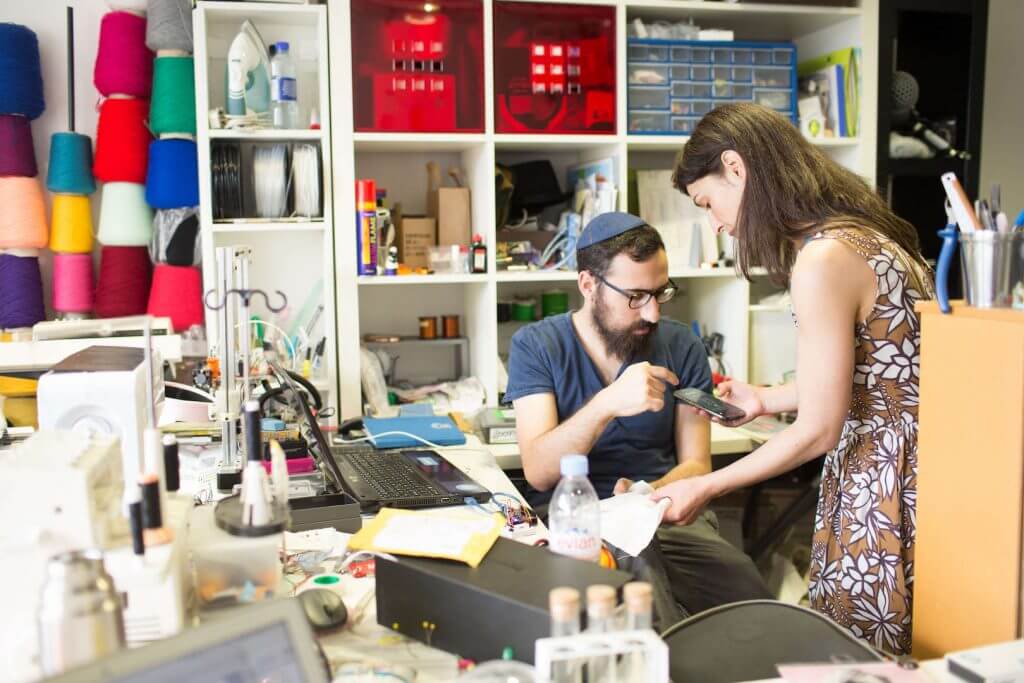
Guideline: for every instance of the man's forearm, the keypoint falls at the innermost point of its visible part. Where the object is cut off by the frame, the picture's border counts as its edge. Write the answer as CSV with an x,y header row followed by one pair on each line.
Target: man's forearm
x,y
541,460
683,470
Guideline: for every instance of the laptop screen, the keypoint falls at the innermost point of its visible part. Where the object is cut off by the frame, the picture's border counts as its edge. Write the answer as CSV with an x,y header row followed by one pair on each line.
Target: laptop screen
x,y
311,432
263,655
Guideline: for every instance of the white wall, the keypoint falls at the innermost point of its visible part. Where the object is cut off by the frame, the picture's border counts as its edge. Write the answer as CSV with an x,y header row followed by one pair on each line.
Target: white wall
x,y
1002,138
47,19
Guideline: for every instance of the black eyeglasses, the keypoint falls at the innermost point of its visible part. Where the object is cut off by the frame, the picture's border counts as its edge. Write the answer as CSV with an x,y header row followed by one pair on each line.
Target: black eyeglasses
x,y
638,298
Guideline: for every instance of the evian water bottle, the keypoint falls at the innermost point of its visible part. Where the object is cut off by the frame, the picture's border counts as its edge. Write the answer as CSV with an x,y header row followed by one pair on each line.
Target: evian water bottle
x,y
574,517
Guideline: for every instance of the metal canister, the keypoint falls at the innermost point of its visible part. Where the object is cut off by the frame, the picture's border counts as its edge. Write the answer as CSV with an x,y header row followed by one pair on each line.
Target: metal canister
x,y
428,327
451,326
80,617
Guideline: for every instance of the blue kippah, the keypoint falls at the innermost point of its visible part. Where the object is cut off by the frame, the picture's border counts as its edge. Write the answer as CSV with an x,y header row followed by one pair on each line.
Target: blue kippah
x,y
607,226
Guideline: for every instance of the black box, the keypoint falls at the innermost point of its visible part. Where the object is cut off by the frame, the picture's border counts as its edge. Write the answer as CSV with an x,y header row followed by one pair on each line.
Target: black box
x,y
318,512
477,613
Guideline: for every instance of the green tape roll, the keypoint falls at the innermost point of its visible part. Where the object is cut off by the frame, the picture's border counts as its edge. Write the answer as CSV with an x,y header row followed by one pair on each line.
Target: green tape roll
x,y
554,302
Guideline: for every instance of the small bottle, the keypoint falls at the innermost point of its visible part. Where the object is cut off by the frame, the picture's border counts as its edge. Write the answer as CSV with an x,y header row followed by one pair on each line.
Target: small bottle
x,y
478,255
283,91
564,604
601,601
574,514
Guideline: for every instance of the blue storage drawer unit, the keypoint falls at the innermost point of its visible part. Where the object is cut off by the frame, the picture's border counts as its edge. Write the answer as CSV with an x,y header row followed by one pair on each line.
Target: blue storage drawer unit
x,y
672,83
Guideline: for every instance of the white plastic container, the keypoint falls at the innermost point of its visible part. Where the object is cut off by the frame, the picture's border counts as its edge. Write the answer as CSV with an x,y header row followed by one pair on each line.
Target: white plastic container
x,y
231,567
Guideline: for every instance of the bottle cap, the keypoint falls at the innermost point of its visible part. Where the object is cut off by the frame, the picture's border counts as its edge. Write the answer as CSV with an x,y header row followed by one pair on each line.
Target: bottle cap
x,y
638,596
281,45
574,466
478,237
564,603
600,600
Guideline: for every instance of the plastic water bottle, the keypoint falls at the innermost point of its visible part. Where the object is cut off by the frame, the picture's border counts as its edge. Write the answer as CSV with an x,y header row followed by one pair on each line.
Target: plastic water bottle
x,y
283,91
573,515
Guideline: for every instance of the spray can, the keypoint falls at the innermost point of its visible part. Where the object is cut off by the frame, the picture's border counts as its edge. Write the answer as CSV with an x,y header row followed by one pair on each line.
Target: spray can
x,y
366,226
80,616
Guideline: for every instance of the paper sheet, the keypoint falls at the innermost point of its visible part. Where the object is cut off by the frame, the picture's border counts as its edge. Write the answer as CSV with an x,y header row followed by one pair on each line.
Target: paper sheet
x,y
465,536
630,520
683,226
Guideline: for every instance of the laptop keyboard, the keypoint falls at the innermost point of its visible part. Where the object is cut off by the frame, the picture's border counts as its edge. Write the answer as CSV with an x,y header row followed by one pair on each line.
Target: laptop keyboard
x,y
388,474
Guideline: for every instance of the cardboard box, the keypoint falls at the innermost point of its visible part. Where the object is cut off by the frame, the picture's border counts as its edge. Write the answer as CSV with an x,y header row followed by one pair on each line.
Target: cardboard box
x,y
454,216
416,234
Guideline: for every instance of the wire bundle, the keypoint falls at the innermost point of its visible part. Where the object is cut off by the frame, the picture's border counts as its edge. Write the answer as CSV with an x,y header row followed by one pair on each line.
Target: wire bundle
x,y
20,72
124,65
173,108
306,180
270,177
17,155
226,174
21,289
22,209
177,294
122,141
71,231
70,177
169,25
126,220
175,237
172,183
72,283
123,284
173,178
71,164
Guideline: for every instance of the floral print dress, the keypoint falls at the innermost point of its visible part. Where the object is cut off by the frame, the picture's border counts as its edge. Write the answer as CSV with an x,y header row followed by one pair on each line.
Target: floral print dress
x,y
862,553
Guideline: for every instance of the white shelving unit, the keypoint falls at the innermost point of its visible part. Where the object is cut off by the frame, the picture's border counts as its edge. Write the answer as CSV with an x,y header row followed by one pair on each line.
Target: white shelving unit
x,y
294,255
716,298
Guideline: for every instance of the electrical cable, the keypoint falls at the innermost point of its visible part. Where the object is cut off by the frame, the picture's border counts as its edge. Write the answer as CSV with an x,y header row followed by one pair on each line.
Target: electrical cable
x,y
270,180
227,180
306,180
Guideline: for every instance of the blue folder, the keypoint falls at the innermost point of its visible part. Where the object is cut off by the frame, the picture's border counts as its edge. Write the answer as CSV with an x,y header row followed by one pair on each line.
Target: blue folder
x,y
438,429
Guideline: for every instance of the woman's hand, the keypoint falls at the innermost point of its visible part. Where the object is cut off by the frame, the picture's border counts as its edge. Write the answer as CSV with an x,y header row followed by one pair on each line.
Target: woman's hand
x,y
742,395
688,497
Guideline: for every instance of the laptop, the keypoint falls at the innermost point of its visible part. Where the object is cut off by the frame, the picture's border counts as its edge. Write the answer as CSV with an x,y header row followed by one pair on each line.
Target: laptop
x,y
376,478
267,641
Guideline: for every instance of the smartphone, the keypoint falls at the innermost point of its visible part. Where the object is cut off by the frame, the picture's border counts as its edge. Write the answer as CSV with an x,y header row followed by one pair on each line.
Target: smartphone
x,y
709,404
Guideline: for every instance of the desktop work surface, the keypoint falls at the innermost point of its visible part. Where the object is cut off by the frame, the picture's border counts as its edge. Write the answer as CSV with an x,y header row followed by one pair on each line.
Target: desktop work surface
x,y
724,441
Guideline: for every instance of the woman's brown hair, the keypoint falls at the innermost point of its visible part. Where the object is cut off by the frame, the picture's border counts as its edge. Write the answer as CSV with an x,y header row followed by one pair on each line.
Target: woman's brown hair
x,y
792,190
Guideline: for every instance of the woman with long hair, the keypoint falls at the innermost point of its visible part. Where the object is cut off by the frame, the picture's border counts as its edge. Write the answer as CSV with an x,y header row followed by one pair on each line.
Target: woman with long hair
x,y
854,271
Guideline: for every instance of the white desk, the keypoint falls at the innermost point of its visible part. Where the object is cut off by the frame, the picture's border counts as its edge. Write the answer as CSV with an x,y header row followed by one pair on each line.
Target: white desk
x,y
368,640
724,441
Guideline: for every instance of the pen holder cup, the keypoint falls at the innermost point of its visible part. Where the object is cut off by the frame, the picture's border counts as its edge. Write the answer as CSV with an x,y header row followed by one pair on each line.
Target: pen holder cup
x,y
993,268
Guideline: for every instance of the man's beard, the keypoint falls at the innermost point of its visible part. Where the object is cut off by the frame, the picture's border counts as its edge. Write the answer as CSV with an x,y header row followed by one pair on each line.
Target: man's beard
x,y
621,344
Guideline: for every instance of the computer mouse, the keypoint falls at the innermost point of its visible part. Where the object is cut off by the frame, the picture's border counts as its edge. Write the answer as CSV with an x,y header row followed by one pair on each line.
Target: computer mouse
x,y
324,609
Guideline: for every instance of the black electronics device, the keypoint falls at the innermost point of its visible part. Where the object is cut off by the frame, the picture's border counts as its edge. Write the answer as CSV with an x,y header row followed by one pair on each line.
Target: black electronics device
x,y
726,412
376,478
477,613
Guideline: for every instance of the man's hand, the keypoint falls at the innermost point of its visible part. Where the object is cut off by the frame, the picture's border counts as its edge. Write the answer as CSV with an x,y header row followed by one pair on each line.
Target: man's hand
x,y
641,388
622,486
688,496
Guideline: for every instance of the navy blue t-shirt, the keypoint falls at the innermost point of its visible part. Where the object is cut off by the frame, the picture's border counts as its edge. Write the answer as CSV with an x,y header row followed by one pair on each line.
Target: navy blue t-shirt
x,y
547,357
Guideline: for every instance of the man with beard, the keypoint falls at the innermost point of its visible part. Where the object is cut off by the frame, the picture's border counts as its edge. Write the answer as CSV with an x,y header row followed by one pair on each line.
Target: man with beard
x,y
599,381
